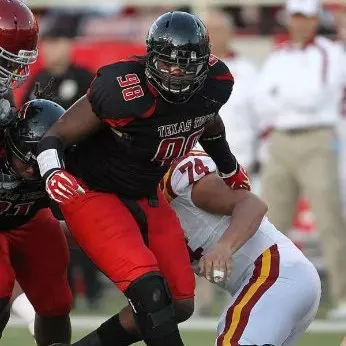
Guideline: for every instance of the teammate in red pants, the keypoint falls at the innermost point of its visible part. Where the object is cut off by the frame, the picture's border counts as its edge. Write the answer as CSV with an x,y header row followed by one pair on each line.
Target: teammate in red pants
x,y
139,115
33,248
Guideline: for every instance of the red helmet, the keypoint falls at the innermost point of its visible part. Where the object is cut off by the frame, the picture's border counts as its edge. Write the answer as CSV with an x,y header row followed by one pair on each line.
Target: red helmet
x,y
18,43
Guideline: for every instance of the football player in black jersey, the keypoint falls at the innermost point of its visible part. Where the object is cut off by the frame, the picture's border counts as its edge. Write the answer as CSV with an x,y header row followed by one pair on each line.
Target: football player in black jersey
x,y
138,116
32,244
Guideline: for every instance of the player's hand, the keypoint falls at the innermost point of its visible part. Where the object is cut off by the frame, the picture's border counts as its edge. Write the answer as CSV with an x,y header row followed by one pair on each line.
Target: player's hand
x,y
238,180
7,115
63,187
216,265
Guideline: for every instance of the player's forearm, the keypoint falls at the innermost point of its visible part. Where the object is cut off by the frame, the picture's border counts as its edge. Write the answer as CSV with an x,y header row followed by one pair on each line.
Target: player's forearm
x,y
215,145
246,216
77,123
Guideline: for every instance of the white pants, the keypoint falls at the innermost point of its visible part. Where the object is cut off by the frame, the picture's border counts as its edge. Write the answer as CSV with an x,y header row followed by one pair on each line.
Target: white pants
x,y
275,304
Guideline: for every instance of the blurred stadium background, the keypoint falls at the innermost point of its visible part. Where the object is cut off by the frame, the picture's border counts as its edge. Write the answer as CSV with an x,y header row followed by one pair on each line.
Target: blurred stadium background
x,y
106,30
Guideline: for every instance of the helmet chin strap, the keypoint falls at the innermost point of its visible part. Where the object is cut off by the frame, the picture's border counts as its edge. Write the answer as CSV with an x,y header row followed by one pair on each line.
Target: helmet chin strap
x,y
13,150
16,176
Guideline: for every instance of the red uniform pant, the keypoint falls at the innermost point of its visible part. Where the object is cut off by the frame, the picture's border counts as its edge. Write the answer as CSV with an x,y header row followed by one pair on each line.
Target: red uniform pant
x,y
106,230
36,255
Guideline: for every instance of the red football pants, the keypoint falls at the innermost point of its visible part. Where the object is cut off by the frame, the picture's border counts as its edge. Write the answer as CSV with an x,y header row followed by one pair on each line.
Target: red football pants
x,y
108,233
36,255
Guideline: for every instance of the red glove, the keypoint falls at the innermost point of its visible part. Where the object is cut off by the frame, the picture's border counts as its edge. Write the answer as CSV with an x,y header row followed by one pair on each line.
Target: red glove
x,y
63,187
238,180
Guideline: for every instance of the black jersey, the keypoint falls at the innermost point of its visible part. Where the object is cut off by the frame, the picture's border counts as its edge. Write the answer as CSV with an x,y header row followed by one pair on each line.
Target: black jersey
x,y
19,200
144,133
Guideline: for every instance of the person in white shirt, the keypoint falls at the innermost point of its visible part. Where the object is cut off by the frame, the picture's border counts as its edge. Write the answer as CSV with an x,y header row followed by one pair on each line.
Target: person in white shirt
x,y
275,291
298,96
340,311
237,114
341,128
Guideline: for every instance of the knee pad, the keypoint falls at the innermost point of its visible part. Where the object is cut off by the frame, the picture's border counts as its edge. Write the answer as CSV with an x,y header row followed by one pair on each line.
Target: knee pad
x,y
151,303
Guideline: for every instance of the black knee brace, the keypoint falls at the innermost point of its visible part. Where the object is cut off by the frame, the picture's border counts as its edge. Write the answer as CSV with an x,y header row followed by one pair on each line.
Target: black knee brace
x,y
151,303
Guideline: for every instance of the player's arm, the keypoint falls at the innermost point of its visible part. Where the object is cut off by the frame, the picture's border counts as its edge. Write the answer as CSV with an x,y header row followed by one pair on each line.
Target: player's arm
x,y
220,86
216,146
85,117
246,209
78,122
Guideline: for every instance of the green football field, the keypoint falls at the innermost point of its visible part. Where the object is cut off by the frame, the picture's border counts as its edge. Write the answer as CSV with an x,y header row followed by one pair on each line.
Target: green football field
x,y
20,337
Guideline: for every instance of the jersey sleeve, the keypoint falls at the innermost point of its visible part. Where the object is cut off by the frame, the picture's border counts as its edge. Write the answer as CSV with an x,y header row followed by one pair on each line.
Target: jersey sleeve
x,y
186,171
119,91
220,81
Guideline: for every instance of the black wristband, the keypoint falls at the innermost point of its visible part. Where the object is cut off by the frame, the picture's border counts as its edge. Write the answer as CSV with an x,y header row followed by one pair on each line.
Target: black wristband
x,y
218,149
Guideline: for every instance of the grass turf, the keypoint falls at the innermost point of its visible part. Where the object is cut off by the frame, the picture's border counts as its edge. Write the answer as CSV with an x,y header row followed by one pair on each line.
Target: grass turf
x,y
21,337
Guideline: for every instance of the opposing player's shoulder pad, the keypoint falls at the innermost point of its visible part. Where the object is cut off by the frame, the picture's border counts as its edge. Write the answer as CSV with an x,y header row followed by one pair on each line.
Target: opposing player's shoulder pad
x,y
119,90
187,170
219,83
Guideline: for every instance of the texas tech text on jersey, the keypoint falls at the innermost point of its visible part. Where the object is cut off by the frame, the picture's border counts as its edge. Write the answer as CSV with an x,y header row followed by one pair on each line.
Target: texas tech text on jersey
x,y
145,133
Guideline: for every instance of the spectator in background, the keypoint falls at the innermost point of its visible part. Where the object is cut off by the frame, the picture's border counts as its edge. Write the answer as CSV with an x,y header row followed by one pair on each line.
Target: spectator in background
x,y
236,114
341,27
298,96
68,82
341,128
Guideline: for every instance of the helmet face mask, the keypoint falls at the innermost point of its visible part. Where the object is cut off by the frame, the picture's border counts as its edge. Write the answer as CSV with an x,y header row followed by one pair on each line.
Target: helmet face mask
x,y
14,69
23,149
18,43
178,53
181,77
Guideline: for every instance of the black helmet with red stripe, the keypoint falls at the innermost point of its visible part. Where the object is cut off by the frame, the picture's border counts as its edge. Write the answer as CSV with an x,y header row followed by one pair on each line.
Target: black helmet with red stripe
x,y
178,52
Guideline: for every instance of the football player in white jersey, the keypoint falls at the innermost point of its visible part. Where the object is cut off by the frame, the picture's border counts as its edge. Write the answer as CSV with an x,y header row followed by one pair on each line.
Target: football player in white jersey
x,y
275,289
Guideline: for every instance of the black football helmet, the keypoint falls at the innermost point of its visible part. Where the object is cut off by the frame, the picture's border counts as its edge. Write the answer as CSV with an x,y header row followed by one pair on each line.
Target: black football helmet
x,y
177,40
35,118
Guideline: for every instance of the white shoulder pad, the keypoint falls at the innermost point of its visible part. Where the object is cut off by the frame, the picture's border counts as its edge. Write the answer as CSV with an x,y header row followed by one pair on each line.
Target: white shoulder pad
x,y
189,170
